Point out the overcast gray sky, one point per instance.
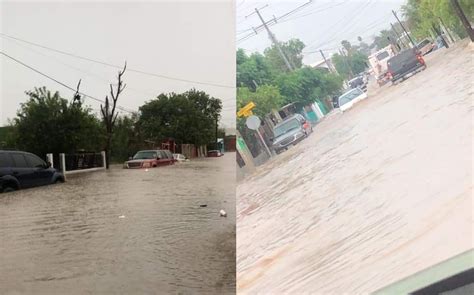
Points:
(320, 25)
(192, 40)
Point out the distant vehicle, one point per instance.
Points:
(19, 170)
(405, 64)
(335, 101)
(425, 46)
(350, 98)
(360, 82)
(438, 43)
(290, 132)
(214, 153)
(378, 63)
(150, 159)
(180, 157)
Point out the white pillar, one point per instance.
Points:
(50, 159)
(104, 159)
(62, 164)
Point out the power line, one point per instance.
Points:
(116, 66)
(271, 22)
(59, 82)
(344, 18)
(313, 12)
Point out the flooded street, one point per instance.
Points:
(123, 232)
(372, 196)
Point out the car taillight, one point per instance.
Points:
(420, 59)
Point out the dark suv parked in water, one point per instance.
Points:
(405, 64)
(20, 170)
(289, 132)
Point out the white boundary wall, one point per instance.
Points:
(62, 165)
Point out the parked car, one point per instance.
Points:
(180, 158)
(405, 64)
(425, 46)
(289, 132)
(150, 159)
(214, 153)
(350, 98)
(438, 43)
(19, 170)
(360, 82)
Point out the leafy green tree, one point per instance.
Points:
(241, 56)
(48, 123)
(306, 85)
(381, 40)
(422, 15)
(266, 98)
(350, 65)
(126, 140)
(293, 49)
(347, 45)
(7, 136)
(189, 117)
(253, 70)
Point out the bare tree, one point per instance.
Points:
(77, 96)
(108, 112)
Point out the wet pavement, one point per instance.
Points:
(372, 196)
(123, 232)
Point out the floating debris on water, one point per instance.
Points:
(223, 213)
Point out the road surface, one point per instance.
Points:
(374, 195)
(123, 232)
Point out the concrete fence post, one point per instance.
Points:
(104, 159)
(49, 157)
(62, 164)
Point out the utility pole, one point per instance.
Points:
(326, 61)
(463, 18)
(403, 27)
(217, 125)
(446, 30)
(399, 40)
(441, 36)
(275, 41)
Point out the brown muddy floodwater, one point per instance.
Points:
(70, 239)
(372, 196)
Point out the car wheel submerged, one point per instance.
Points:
(58, 180)
(8, 189)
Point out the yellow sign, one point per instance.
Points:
(246, 110)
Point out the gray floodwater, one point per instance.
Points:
(372, 196)
(123, 231)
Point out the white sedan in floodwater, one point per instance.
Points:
(350, 98)
(180, 158)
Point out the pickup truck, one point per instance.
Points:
(405, 64)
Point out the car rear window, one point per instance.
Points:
(19, 160)
(350, 95)
(382, 55)
(5, 160)
(286, 126)
(396, 62)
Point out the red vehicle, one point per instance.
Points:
(214, 153)
(150, 159)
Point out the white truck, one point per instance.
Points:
(378, 63)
